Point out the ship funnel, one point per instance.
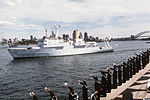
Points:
(75, 34)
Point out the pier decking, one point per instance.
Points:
(135, 88)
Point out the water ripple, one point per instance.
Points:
(19, 77)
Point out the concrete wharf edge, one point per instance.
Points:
(116, 92)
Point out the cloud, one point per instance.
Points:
(104, 16)
(10, 3)
(4, 23)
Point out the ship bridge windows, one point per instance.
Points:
(59, 48)
(80, 46)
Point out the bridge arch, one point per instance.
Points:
(141, 33)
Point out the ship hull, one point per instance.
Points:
(50, 52)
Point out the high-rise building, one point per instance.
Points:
(31, 37)
(80, 35)
(65, 37)
(86, 36)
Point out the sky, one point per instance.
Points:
(100, 18)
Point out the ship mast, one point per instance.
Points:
(56, 30)
(46, 32)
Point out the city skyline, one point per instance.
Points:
(99, 18)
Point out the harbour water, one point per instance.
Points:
(21, 76)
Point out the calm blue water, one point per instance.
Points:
(19, 77)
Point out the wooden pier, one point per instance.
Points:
(134, 89)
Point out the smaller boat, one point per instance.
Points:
(4, 45)
(148, 42)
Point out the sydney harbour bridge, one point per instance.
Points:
(142, 35)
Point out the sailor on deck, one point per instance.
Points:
(109, 87)
(33, 95)
(104, 84)
(53, 97)
(97, 86)
(85, 89)
(72, 93)
(94, 96)
(114, 76)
